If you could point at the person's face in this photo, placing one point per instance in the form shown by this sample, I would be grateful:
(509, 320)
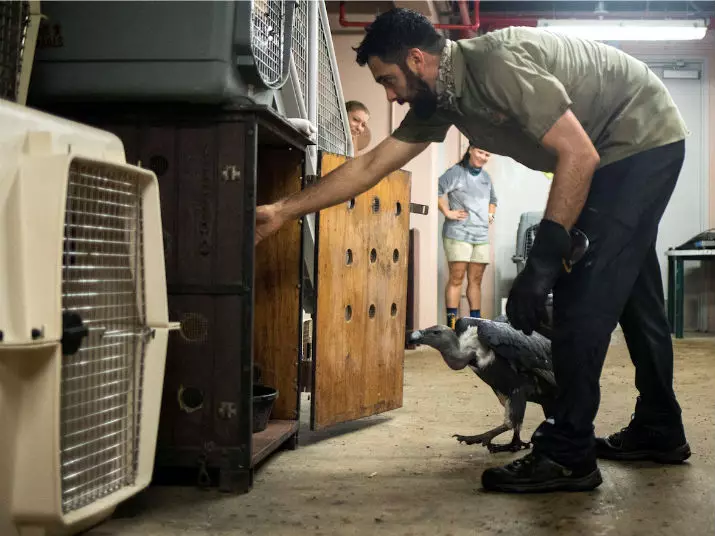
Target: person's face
(358, 122)
(478, 157)
(407, 83)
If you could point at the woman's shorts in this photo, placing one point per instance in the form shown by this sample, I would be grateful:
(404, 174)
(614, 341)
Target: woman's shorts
(458, 251)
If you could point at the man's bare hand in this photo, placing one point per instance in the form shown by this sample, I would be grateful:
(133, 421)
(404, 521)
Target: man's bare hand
(268, 221)
(351, 179)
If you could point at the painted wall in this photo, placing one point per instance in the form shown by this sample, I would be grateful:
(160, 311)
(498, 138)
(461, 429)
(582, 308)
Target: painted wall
(704, 50)
(358, 84)
(488, 281)
(519, 189)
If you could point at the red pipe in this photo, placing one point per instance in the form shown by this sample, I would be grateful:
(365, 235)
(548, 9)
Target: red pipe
(473, 26)
(464, 11)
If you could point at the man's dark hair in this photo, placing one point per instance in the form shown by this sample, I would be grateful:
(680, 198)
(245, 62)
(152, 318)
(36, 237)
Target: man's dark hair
(394, 32)
(356, 105)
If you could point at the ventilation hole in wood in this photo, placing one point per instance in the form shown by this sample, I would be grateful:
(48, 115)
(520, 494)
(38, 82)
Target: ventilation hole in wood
(351, 204)
(349, 257)
(190, 399)
(348, 313)
(159, 165)
(393, 309)
(395, 255)
(194, 327)
(398, 208)
(371, 311)
(373, 255)
(376, 204)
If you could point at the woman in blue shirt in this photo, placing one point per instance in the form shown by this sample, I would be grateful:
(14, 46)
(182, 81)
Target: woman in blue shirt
(468, 202)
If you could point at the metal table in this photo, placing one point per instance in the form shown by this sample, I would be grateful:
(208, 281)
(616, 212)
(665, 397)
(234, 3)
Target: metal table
(676, 259)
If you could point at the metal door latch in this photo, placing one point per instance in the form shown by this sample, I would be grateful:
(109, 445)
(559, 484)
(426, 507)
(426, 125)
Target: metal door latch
(227, 410)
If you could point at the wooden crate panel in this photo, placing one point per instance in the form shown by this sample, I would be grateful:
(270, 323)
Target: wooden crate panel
(277, 270)
(362, 287)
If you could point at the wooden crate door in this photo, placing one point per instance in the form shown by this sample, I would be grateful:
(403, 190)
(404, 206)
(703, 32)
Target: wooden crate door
(361, 303)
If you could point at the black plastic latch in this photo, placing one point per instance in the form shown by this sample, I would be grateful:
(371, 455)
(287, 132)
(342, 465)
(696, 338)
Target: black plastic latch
(73, 331)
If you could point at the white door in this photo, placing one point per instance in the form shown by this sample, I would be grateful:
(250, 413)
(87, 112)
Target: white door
(687, 212)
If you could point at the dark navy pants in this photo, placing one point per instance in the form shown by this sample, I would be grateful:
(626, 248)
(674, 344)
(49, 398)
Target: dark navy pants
(618, 280)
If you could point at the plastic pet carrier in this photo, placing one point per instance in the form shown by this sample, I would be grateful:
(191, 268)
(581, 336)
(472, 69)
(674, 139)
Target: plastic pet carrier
(525, 234)
(192, 51)
(83, 324)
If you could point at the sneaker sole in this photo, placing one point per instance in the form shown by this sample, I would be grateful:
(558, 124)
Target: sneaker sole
(675, 456)
(585, 483)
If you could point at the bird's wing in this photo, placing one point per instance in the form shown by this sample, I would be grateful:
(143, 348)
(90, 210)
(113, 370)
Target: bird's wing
(467, 321)
(463, 323)
(502, 319)
(546, 375)
(525, 352)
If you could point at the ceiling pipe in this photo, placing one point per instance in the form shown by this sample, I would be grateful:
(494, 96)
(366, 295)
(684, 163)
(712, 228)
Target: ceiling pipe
(464, 11)
(466, 26)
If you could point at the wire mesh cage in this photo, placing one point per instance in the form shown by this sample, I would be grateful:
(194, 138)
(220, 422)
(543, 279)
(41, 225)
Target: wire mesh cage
(271, 31)
(332, 133)
(101, 383)
(14, 22)
(300, 44)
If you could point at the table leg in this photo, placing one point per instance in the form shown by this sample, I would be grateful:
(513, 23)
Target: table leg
(679, 298)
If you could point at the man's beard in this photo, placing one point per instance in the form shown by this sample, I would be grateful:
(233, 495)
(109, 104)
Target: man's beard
(423, 101)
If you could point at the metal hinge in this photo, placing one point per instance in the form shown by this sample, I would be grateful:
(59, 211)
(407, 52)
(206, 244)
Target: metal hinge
(230, 173)
(416, 208)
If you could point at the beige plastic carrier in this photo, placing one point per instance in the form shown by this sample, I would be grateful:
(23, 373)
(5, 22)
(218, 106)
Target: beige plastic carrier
(80, 239)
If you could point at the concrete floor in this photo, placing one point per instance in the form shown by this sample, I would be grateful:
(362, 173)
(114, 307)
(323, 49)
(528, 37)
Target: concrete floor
(403, 473)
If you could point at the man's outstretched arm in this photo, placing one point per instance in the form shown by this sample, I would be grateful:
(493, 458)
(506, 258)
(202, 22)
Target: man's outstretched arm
(349, 180)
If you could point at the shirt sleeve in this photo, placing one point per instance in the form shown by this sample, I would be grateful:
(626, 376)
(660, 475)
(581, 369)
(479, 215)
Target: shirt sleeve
(524, 90)
(492, 193)
(446, 183)
(412, 129)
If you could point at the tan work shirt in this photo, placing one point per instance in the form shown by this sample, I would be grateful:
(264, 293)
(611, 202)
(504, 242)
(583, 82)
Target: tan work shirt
(512, 85)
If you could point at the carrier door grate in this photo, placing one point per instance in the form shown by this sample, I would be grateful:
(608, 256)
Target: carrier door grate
(103, 282)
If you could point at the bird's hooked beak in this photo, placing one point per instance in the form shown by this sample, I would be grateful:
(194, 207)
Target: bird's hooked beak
(414, 337)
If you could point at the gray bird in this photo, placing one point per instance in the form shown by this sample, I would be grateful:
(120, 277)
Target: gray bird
(516, 366)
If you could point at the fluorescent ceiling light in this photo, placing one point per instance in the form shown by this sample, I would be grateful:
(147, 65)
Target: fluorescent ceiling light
(628, 30)
(687, 74)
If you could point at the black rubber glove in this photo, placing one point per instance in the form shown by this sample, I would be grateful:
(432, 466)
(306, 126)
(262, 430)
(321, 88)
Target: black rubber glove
(548, 259)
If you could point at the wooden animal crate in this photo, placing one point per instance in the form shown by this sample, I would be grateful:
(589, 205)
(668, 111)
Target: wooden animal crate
(239, 305)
